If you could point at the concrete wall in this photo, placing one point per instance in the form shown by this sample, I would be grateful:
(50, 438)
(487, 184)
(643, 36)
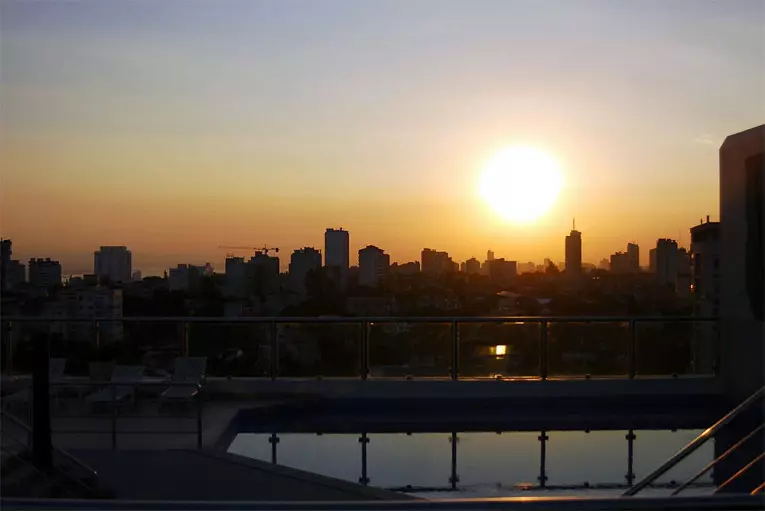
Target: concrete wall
(741, 264)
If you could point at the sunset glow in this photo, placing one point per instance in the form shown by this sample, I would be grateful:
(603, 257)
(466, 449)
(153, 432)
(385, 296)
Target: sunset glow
(521, 183)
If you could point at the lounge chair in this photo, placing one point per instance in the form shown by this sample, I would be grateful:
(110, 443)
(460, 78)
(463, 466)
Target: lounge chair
(55, 375)
(126, 378)
(187, 370)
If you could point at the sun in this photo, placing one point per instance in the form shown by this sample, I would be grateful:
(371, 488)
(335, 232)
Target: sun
(521, 183)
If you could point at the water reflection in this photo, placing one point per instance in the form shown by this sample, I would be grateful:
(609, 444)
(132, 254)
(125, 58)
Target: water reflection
(487, 462)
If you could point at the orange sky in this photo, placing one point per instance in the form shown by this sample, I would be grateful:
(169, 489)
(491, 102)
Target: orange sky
(173, 128)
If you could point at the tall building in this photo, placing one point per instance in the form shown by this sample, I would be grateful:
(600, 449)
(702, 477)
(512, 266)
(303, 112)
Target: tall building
(435, 262)
(410, 268)
(263, 272)
(620, 263)
(705, 264)
(667, 259)
(652, 260)
(44, 273)
(742, 261)
(236, 277)
(684, 274)
(374, 264)
(489, 255)
(114, 263)
(303, 261)
(633, 257)
(574, 252)
(137, 276)
(186, 277)
(337, 252)
(12, 272)
(472, 266)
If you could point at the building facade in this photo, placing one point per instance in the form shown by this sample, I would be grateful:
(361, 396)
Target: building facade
(114, 263)
(374, 265)
(666, 262)
(337, 252)
(44, 273)
(633, 257)
(574, 253)
(435, 262)
(620, 263)
(101, 305)
(303, 261)
(742, 261)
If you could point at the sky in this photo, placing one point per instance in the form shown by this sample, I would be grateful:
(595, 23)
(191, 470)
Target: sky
(178, 126)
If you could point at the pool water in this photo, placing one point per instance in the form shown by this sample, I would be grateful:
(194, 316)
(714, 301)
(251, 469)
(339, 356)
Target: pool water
(486, 464)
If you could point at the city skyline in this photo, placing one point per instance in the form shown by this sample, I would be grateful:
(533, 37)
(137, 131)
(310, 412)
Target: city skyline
(175, 128)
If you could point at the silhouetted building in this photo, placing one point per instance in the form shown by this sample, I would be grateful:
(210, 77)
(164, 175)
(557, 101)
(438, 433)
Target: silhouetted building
(95, 303)
(374, 264)
(44, 273)
(503, 273)
(472, 266)
(236, 277)
(337, 252)
(12, 272)
(263, 273)
(620, 263)
(410, 268)
(136, 276)
(489, 255)
(303, 261)
(742, 261)
(435, 263)
(684, 273)
(666, 262)
(633, 257)
(705, 262)
(574, 252)
(652, 260)
(187, 277)
(113, 263)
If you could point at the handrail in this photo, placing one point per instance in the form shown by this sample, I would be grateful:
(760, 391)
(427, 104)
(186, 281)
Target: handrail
(361, 319)
(69, 456)
(695, 503)
(718, 459)
(695, 443)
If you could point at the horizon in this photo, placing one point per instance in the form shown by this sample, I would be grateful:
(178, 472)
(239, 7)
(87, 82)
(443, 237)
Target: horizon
(176, 127)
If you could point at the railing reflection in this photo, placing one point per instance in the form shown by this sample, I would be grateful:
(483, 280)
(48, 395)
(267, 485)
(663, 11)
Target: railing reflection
(383, 458)
(413, 347)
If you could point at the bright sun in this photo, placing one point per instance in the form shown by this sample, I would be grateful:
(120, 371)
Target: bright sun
(521, 183)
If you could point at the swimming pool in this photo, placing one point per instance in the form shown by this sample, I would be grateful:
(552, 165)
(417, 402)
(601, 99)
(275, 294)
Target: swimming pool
(473, 454)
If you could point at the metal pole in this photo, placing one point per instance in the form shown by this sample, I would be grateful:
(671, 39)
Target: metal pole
(185, 329)
(114, 416)
(543, 351)
(199, 419)
(42, 444)
(454, 478)
(364, 440)
(273, 441)
(274, 351)
(631, 350)
(455, 350)
(630, 457)
(543, 438)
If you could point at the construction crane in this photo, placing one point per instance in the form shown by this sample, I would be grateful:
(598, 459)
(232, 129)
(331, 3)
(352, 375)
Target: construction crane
(264, 249)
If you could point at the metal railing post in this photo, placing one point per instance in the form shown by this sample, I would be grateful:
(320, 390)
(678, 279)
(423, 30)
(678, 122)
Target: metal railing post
(274, 351)
(364, 440)
(631, 349)
(454, 478)
(455, 350)
(273, 440)
(630, 437)
(199, 419)
(543, 438)
(97, 333)
(185, 330)
(114, 416)
(543, 351)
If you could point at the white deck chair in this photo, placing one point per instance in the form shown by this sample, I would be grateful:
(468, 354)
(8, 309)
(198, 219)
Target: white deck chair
(187, 370)
(126, 378)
